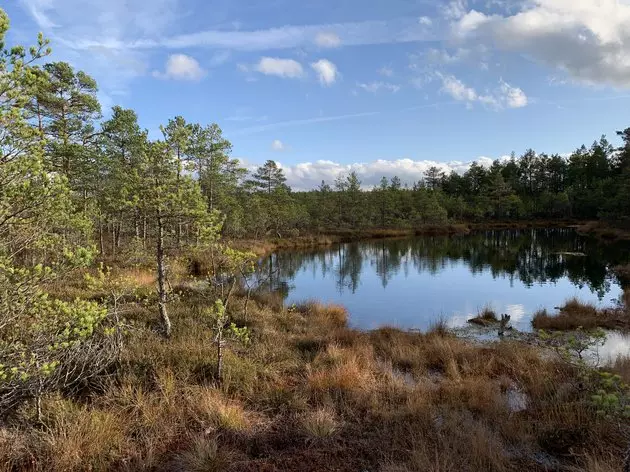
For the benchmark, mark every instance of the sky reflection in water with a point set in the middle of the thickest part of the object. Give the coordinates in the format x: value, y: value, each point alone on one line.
x: 411, y: 283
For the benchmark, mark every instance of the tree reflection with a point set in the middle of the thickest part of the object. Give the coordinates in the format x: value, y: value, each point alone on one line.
x: 533, y: 256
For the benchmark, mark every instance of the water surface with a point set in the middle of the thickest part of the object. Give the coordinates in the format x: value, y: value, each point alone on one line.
x: 413, y: 282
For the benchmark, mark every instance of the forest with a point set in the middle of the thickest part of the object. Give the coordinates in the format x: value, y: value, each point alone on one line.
x: 129, y: 342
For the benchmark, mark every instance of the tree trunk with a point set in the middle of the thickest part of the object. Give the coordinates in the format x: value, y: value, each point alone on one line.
x: 220, y: 357
x: 137, y: 223
x: 100, y: 238
x: 166, y: 322
x: 144, y: 232
x: 118, y: 231
x: 179, y: 222
x: 113, y: 239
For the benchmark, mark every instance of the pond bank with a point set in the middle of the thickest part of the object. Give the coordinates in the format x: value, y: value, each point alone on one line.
x: 335, y: 236
x: 604, y: 231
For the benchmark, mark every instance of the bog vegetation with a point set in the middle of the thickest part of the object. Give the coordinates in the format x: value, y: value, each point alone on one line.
x: 127, y: 341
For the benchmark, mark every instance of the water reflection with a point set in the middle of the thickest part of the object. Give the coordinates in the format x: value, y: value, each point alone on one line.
x: 616, y: 344
x: 411, y: 282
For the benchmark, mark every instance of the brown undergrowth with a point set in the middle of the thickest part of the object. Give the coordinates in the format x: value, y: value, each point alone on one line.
x: 604, y: 231
x: 576, y: 314
x: 311, y: 394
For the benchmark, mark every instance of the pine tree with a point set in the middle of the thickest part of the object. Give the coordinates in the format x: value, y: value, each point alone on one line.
x: 67, y: 107
x: 268, y: 177
x: 171, y: 199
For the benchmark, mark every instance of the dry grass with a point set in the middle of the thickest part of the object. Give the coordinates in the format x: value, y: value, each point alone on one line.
x: 485, y: 317
x: 330, y: 315
x: 604, y: 231
x: 320, y: 423
x: 202, y: 455
x: 212, y: 411
x: 310, y: 394
x: 576, y: 314
x: 621, y: 366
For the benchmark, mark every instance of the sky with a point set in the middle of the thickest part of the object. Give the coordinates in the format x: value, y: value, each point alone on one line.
x: 380, y: 87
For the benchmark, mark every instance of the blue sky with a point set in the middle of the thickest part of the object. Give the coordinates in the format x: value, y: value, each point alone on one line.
x: 381, y: 87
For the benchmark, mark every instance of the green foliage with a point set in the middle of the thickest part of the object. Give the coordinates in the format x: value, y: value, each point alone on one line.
x: 572, y: 345
x: 607, y: 393
x: 45, y: 344
x: 222, y: 327
x: 612, y: 397
x: 41, y: 336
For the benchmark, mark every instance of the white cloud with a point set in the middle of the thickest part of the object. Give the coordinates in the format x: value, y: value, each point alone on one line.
x: 308, y: 175
x: 455, y: 9
x: 278, y: 146
x: 397, y: 30
x: 374, y: 87
x: 457, y: 89
x: 504, y: 96
x: 285, y: 68
x: 513, y: 97
x: 587, y: 39
x: 425, y: 20
x: 326, y: 71
x: 69, y: 24
x: 328, y: 40
x: 442, y: 56
x: 386, y: 71
x: 181, y: 67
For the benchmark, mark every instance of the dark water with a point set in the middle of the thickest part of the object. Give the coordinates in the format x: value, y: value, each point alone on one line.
x: 411, y: 283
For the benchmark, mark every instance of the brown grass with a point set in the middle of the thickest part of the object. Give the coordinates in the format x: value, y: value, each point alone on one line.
x: 604, y: 231
x: 486, y: 317
x: 621, y: 366
x: 576, y: 314
x: 331, y: 315
x: 320, y: 423
x: 310, y: 394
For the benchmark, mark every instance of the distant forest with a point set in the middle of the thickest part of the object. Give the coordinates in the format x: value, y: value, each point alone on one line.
x: 112, y: 171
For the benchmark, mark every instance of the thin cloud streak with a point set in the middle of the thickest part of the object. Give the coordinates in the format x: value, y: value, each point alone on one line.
x: 324, y: 119
x: 402, y: 30
x: 306, y: 121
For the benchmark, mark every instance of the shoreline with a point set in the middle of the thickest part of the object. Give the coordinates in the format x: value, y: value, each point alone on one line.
x: 325, y: 238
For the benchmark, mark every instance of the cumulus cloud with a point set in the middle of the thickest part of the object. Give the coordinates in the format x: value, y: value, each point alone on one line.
x: 504, y: 96
x: 457, y: 89
x: 181, y: 67
x: 425, y: 20
x: 328, y: 40
x: 589, y: 40
x: 285, y: 68
x: 308, y: 175
x: 326, y: 71
x: 374, y: 87
x: 455, y: 9
x: 278, y: 146
x: 513, y: 97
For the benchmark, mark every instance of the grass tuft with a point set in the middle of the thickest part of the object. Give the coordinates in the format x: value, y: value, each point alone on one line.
x: 320, y: 423
x: 485, y: 317
x: 576, y: 314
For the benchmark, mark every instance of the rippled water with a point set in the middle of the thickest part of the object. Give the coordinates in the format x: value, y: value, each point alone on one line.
x: 412, y: 283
